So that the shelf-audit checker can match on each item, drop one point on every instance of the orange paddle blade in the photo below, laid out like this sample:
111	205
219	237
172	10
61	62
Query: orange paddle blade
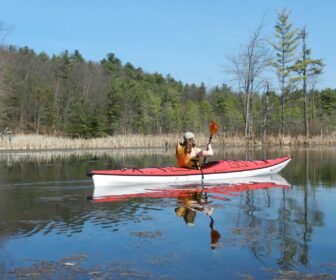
215	236
213	126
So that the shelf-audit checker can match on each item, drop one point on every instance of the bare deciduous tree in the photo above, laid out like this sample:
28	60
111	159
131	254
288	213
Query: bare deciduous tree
247	69
265	113
4	31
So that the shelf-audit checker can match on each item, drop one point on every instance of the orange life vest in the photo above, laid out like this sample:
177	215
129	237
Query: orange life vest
184	159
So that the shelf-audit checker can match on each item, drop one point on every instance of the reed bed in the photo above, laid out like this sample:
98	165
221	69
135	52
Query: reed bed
38	142
300	140
43	142
121	154
246	152
47	156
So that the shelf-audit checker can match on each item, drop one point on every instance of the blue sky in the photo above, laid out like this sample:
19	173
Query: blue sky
188	39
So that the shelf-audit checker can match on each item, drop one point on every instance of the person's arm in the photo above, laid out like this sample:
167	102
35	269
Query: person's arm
207	153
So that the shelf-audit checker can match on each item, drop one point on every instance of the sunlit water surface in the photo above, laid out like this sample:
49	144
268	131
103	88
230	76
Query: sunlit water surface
50	230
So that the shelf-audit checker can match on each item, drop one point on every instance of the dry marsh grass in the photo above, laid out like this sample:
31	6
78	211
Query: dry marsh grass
43	142
48	156
38	142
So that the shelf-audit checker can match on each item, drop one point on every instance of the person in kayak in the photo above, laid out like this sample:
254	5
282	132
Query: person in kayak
188	155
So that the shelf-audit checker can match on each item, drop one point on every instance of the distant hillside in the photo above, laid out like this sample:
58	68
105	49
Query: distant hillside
67	95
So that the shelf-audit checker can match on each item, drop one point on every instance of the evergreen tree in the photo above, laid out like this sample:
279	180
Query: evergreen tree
115	106
112	65
285	50
97	123
78	122
306	67
191	118
328	101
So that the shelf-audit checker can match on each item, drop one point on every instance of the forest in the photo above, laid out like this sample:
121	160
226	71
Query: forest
67	95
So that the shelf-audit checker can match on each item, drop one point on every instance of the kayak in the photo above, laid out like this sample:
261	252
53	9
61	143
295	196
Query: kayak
216	170
231	187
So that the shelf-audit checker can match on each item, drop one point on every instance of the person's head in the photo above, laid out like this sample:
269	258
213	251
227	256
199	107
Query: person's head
189	218
187	214
181	211
189	138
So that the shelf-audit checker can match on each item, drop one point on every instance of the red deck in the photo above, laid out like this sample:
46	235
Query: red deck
222	166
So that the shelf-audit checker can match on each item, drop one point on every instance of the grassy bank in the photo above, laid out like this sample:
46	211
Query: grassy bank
37	142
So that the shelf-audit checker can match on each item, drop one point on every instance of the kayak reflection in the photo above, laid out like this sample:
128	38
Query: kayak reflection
197	198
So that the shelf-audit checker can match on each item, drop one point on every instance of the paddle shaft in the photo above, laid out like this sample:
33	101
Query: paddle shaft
210	138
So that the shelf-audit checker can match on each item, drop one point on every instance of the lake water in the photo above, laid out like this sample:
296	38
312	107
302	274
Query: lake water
50	230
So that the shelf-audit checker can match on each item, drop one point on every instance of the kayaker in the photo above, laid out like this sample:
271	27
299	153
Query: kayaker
188	155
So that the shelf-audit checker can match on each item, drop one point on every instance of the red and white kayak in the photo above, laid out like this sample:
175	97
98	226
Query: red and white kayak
217	170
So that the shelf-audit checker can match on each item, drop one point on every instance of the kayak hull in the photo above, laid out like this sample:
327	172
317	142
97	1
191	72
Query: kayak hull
230	187
213	171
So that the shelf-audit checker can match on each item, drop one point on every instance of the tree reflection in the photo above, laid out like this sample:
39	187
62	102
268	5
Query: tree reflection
298	217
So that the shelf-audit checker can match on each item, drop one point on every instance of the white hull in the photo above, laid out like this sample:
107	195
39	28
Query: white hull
106	185
130	189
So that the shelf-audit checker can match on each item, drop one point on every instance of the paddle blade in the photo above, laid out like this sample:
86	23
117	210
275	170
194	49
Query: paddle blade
215	236
213	126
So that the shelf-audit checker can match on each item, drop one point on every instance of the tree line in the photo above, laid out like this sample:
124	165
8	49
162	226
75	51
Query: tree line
67	95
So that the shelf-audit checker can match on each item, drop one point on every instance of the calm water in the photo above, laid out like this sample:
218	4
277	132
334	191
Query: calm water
49	230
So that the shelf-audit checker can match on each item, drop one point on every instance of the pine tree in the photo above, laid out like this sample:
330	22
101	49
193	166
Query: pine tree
306	67
285	48
78	122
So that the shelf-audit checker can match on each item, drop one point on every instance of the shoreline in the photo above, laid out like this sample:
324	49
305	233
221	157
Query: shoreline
35	142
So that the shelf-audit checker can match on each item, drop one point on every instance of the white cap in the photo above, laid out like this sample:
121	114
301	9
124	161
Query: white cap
188	135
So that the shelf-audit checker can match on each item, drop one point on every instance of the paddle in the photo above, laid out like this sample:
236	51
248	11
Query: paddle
213	127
